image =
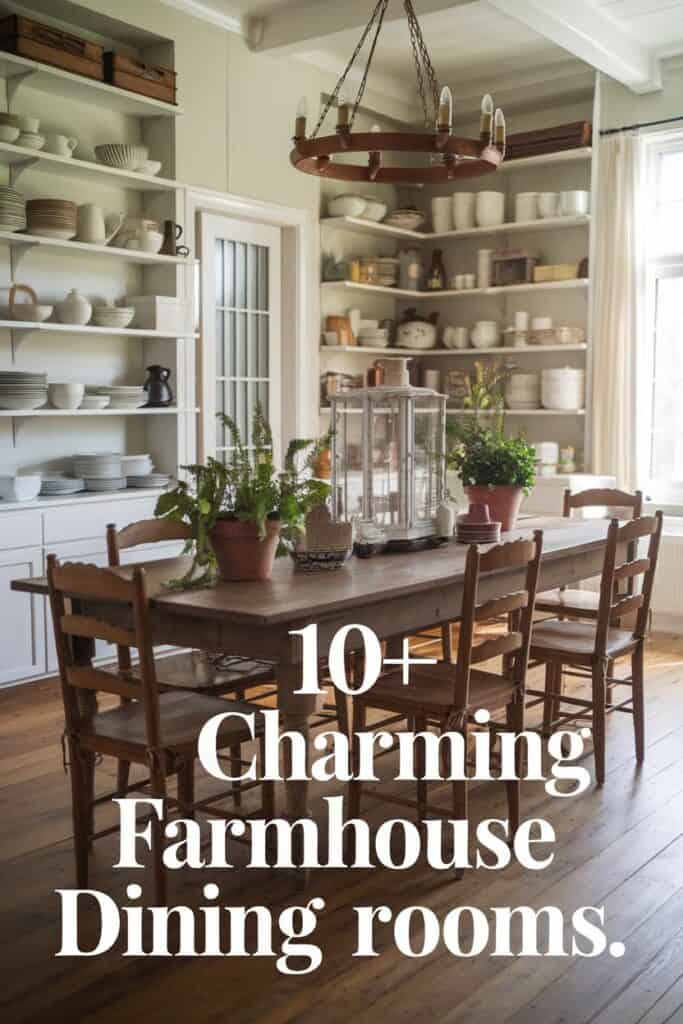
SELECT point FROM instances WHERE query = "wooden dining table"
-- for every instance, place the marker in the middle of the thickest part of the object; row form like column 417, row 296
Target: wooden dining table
column 396, row 595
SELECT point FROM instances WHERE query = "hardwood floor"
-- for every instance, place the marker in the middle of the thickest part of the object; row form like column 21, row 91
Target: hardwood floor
column 620, row 846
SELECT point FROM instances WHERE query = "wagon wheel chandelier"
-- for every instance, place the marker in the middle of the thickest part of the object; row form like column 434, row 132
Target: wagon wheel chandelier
column 448, row 156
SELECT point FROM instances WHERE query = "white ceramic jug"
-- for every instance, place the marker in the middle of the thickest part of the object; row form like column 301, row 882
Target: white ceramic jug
column 74, row 309
column 92, row 227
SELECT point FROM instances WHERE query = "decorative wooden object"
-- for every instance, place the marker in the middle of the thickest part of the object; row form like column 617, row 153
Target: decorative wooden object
column 575, row 135
column 322, row 534
column 29, row 38
column 591, row 648
column 513, row 266
column 446, row 695
column 150, row 728
column 138, row 76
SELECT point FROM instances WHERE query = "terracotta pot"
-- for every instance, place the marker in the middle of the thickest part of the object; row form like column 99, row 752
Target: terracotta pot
column 240, row 553
column 503, row 502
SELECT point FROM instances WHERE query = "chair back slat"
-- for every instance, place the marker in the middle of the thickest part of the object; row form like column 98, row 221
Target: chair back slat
column 513, row 645
column 500, row 606
column 76, row 579
column 605, row 497
column 496, row 646
column 83, row 677
column 145, row 531
column 97, row 629
column 614, row 606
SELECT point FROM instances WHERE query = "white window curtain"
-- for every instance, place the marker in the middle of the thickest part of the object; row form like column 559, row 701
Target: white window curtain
column 618, row 296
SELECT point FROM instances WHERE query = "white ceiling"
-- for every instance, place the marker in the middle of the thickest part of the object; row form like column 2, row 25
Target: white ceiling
column 656, row 23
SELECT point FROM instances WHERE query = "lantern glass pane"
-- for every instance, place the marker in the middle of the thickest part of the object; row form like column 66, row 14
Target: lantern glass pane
column 387, row 488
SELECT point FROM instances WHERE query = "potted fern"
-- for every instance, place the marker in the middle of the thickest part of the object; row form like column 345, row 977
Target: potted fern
column 495, row 470
column 243, row 512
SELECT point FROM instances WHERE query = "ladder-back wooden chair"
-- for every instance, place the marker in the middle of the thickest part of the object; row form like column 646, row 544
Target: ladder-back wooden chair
column 447, row 695
column 224, row 675
column 591, row 648
column 151, row 728
column 572, row 603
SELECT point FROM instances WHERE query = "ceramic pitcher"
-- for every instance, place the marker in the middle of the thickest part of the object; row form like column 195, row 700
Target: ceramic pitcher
column 92, row 227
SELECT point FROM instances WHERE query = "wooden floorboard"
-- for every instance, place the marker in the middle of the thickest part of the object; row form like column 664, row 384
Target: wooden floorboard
column 621, row 847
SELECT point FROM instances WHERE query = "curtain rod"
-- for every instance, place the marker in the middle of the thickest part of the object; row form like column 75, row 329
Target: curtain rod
column 643, row 124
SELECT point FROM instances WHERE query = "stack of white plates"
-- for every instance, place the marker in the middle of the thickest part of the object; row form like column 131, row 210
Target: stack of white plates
column 563, row 388
column 53, row 486
column 522, row 391
column 12, row 210
column 53, row 218
column 22, row 390
column 121, row 396
column 98, row 467
column 149, row 480
column 374, row 338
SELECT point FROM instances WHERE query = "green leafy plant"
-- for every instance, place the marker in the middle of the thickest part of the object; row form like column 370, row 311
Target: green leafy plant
column 247, row 487
column 482, row 455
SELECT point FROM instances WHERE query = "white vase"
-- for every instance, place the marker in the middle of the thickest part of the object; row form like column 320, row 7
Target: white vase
column 74, row 309
column 441, row 215
column 490, row 209
column 463, row 210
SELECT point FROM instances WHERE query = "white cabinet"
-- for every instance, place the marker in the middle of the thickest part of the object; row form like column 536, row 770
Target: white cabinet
column 22, row 617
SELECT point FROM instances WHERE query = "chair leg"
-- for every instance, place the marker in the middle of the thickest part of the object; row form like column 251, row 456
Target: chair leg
column 459, row 796
column 186, row 787
column 80, row 809
column 122, row 776
column 267, row 788
column 447, row 642
column 420, row 725
column 358, row 716
column 599, row 672
column 553, row 676
column 638, row 689
column 236, row 769
column 515, row 723
column 158, row 788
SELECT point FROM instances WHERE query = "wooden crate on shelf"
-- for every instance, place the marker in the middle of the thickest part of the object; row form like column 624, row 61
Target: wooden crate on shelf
column 513, row 266
column 151, row 80
column 575, row 135
column 29, row 38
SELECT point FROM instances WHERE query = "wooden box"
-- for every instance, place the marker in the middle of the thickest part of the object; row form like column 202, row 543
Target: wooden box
column 135, row 75
column 575, row 135
column 513, row 266
column 28, row 38
column 556, row 272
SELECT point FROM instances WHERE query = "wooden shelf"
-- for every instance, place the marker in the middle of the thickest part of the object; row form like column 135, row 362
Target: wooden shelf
column 404, row 293
column 24, row 241
column 528, row 350
column 80, row 497
column 20, row 157
column 368, row 227
column 518, row 412
column 28, row 327
column 58, row 82
column 565, row 156
column 25, row 413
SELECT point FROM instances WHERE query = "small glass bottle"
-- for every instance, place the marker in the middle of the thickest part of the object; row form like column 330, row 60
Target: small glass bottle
column 436, row 279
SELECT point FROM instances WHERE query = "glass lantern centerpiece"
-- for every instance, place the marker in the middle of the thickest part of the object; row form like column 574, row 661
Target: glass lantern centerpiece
column 388, row 461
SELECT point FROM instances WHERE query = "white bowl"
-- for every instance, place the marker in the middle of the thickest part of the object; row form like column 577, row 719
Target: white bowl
column 485, row 334
column 149, row 241
column 346, row 206
column 113, row 316
column 125, row 157
column 20, row 488
column 375, row 209
column 33, row 314
column 150, row 167
column 95, row 402
column 65, row 396
column 8, row 133
column 29, row 140
column 331, row 337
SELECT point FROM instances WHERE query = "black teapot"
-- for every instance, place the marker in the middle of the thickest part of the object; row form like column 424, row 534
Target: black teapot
column 159, row 393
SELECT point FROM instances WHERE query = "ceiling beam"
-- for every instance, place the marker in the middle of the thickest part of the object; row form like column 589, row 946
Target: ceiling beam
column 308, row 26
column 588, row 33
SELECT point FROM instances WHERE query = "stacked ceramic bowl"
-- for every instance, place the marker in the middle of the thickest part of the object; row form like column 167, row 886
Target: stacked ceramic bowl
column 407, row 219
column 121, row 396
column 57, row 485
column 139, row 472
column 125, row 157
column 522, row 391
column 12, row 210
column 111, row 316
column 563, row 388
column 22, row 390
column 379, row 270
column 52, row 218
column 100, row 472
column 371, row 335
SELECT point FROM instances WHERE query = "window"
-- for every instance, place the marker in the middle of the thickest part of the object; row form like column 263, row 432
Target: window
column 241, row 327
column 660, row 371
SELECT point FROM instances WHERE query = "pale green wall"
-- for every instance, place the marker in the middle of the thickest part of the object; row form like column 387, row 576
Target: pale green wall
column 620, row 106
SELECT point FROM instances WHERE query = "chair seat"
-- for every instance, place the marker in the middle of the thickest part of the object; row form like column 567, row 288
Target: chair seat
column 576, row 639
column 431, row 690
column 578, row 603
column 178, row 671
column 182, row 716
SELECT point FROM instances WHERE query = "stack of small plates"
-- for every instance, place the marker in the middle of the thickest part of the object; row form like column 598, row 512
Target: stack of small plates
column 374, row 337
column 407, row 220
column 121, row 396
column 100, row 472
column 476, row 533
column 12, row 210
column 53, row 486
column 22, row 390
column 153, row 480
column 52, row 218
column 379, row 270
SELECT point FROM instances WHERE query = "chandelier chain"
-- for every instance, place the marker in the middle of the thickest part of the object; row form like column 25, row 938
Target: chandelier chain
column 423, row 64
column 333, row 99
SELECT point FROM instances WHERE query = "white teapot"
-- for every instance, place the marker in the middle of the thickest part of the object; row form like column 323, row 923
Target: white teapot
column 74, row 309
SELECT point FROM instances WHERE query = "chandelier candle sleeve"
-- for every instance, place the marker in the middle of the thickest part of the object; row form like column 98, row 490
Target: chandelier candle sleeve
column 486, row 123
column 500, row 130
column 445, row 110
column 301, row 115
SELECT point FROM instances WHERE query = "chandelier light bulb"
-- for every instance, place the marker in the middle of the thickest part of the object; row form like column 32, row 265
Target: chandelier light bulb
column 445, row 119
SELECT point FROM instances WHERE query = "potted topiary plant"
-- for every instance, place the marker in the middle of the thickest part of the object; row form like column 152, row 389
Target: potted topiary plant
column 495, row 470
column 243, row 512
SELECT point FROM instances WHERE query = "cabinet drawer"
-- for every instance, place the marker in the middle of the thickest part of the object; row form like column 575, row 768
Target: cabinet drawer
column 79, row 523
column 22, row 651
column 20, row 529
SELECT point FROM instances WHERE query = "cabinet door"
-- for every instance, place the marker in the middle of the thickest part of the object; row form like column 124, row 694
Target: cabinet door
column 22, row 618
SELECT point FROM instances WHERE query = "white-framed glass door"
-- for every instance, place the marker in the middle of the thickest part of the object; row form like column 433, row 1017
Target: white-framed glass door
column 241, row 301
